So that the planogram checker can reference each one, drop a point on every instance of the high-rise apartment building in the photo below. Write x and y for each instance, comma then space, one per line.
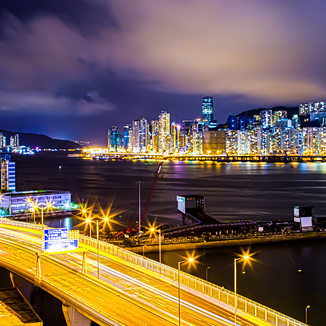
143, 135
8, 174
2, 140
164, 130
207, 110
114, 139
126, 139
12, 141
266, 118
135, 136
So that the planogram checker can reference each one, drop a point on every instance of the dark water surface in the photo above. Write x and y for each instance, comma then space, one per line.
286, 277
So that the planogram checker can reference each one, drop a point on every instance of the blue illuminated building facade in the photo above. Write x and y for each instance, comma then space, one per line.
207, 110
114, 139
126, 135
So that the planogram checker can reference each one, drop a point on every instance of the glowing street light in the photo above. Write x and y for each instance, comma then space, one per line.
159, 242
246, 257
307, 307
34, 208
189, 260
89, 221
207, 268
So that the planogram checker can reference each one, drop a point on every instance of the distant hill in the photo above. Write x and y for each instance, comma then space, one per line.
41, 141
291, 111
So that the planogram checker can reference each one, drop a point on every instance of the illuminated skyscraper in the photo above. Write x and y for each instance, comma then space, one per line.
126, 132
164, 130
207, 110
143, 135
135, 136
114, 139
8, 173
2, 140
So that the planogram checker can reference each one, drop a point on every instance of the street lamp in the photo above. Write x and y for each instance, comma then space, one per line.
98, 256
189, 260
159, 243
246, 257
207, 268
307, 307
34, 208
89, 221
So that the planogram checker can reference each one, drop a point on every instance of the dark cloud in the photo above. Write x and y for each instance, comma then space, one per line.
85, 15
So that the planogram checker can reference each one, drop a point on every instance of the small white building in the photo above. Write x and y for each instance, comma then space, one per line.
303, 218
30, 201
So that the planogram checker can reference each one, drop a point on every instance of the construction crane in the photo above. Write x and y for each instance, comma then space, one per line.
135, 228
151, 191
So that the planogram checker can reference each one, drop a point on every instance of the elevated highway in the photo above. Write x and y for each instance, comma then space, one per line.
130, 289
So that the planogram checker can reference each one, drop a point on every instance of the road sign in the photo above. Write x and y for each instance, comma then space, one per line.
56, 240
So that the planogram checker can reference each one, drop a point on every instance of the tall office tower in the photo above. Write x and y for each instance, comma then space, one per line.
135, 136
164, 130
114, 139
126, 139
143, 135
16, 140
207, 110
8, 174
266, 118
12, 141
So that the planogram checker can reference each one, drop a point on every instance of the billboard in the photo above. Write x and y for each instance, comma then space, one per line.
181, 204
56, 240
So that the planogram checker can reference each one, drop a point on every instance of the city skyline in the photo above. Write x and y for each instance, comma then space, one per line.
73, 69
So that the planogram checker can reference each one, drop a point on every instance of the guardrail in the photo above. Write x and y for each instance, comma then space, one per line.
219, 293
30, 226
246, 305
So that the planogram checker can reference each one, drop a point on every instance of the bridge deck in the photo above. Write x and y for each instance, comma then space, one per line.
128, 293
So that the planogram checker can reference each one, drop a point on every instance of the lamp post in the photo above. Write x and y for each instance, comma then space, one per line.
235, 286
34, 208
159, 243
207, 268
42, 210
307, 307
159, 246
189, 260
89, 221
98, 256
139, 208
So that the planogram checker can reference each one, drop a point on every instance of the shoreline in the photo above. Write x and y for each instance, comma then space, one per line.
229, 243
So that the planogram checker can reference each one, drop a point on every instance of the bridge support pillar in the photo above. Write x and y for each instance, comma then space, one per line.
25, 287
74, 318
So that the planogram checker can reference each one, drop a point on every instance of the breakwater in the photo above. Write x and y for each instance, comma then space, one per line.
229, 242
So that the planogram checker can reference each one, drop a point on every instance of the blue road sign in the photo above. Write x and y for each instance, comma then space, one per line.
56, 240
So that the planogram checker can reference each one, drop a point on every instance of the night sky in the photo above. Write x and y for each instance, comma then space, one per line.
73, 68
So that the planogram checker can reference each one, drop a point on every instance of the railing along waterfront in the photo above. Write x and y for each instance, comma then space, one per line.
246, 305
269, 316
